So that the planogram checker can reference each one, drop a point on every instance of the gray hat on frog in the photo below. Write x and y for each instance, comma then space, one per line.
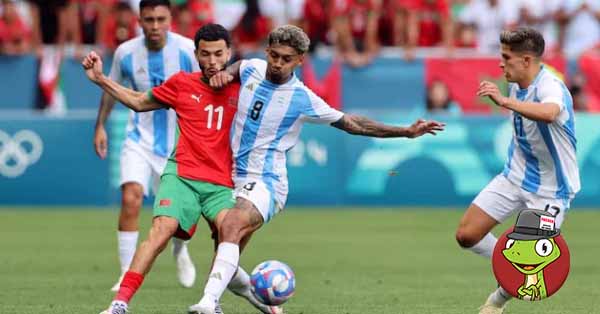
534, 224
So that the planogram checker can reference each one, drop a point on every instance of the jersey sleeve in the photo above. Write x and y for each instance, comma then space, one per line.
318, 111
115, 73
551, 92
167, 92
247, 67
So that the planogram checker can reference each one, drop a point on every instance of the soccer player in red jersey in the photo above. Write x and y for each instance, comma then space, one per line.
197, 179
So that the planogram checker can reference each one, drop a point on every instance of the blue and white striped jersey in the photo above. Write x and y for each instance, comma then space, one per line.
268, 123
143, 69
541, 156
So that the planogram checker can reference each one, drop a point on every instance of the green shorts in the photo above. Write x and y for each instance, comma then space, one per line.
186, 200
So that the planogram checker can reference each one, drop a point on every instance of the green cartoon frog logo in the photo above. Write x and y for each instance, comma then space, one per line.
530, 257
530, 248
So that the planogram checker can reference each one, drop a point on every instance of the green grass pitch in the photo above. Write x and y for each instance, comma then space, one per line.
346, 262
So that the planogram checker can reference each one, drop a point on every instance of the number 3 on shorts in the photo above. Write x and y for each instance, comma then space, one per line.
249, 186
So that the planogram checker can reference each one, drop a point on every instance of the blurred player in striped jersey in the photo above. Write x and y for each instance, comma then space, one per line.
541, 171
273, 106
145, 62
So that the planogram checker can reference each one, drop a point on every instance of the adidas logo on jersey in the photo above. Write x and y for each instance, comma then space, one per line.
140, 70
250, 86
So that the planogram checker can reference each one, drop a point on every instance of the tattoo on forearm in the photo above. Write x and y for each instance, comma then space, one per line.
360, 125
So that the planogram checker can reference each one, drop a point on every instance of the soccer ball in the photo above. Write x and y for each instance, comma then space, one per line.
273, 282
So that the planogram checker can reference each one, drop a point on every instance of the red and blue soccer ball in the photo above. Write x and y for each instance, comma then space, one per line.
273, 282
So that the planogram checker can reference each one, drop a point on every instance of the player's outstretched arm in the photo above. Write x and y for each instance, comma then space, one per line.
137, 101
359, 125
230, 74
544, 112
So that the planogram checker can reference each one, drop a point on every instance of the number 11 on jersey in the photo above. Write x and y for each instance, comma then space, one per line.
211, 109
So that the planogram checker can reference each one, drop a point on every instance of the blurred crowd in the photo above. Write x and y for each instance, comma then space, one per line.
355, 30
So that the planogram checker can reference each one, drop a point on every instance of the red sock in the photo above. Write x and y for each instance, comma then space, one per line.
130, 284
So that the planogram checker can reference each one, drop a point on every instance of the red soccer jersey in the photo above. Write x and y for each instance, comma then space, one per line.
202, 150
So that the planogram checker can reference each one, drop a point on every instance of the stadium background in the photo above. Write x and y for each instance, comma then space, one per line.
351, 198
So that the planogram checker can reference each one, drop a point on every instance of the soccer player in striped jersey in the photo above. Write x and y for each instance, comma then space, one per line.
197, 180
541, 171
145, 62
272, 107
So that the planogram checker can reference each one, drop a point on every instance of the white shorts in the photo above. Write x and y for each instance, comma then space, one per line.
257, 192
140, 166
501, 198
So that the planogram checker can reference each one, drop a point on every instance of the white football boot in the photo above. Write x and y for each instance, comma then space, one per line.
186, 271
266, 309
491, 308
205, 306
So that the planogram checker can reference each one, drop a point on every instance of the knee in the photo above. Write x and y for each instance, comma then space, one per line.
132, 199
162, 230
466, 238
233, 227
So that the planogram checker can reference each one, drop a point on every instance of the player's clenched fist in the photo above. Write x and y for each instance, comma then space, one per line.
220, 79
92, 63
490, 89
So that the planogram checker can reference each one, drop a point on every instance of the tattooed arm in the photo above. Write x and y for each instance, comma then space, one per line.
359, 125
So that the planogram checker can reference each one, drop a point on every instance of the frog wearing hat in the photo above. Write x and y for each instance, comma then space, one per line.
530, 248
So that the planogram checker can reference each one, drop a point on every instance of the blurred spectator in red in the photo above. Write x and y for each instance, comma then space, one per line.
541, 15
466, 36
252, 31
183, 21
119, 26
316, 21
91, 15
393, 22
356, 24
489, 18
580, 29
429, 24
15, 33
189, 16
438, 100
203, 12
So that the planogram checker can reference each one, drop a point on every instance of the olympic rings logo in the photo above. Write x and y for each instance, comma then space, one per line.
18, 152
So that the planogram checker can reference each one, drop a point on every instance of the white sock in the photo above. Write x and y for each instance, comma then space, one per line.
240, 283
127, 243
485, 247
226, 262
500, 297
179, 247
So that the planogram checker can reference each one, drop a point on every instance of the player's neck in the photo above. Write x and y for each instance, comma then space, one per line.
156, 46
283, 81
530, 77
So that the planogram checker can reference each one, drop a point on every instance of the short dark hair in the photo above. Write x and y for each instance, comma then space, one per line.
212, 32
154, 3
524, 39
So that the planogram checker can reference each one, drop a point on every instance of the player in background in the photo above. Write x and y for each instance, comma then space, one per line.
197, 179
272, 107
145, 62
541, 170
